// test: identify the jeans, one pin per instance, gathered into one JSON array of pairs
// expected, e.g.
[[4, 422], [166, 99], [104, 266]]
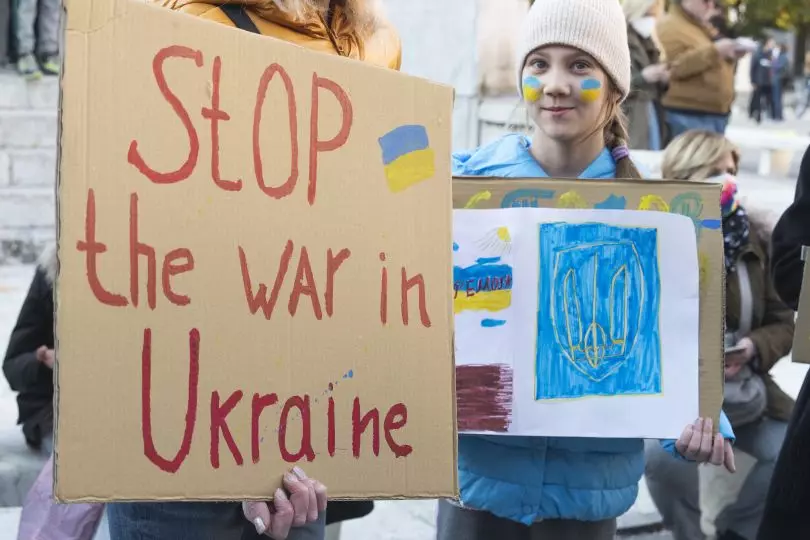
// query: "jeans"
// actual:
[[673, 484], [49, 12], [192, 521], [680, 122]]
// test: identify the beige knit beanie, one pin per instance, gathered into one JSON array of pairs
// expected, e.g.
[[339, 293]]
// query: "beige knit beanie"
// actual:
[[597, 27]]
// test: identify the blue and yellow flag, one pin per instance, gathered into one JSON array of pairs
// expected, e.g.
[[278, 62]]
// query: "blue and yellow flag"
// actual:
[[407, 157]]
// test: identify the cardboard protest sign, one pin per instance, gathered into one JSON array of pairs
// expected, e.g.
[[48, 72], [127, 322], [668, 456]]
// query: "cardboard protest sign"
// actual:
[[600, 365], [801, 336], [254, 266]]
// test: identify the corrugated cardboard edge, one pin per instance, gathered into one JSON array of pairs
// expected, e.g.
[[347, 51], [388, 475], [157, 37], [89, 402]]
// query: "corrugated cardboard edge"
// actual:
[[645, 182], [56, 281]]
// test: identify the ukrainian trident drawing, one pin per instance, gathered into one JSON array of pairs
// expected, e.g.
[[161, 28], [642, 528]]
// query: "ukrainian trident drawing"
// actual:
[[598, 311]]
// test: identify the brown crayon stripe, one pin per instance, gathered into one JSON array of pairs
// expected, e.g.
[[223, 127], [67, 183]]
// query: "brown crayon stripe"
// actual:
[[484, 397]]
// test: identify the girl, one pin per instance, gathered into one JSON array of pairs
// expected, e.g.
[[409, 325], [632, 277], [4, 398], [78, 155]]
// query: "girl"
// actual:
[[762, 329], [573, 74]]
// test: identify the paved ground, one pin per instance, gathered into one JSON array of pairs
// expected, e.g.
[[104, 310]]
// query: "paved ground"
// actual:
[[414, 520]]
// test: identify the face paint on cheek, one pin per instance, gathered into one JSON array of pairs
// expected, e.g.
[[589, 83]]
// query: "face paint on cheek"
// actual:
[[532, 88], [591, 90]]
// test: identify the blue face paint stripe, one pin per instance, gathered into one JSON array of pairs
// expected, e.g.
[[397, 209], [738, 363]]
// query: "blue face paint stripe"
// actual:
[[591, 84]]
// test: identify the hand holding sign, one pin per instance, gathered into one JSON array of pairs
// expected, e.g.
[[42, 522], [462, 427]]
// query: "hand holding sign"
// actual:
[[305, 502], [699, 443], [45, 356]]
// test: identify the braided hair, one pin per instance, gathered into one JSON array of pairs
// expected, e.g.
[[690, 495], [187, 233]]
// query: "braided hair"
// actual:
[[616, 138]]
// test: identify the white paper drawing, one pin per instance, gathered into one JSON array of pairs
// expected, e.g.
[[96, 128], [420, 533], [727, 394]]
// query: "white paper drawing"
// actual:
[[576, 322]]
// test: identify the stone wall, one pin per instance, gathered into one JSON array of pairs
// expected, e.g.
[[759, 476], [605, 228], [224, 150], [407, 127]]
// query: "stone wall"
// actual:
[[28, 113]]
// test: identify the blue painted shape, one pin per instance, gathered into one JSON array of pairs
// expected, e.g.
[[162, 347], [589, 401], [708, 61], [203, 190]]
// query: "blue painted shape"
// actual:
[[713, 224], [488, 260], [349, 374], [613, 202], [403, 140], [532, 82], [598, 331], [591, 84], [455, 246], [526, 198], [492, 323]]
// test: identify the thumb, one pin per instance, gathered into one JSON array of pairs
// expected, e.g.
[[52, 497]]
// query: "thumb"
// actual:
[[731, 466], [257, 513]]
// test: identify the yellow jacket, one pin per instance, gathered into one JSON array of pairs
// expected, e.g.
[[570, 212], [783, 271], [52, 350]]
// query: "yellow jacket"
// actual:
[[382, 47], [700, 79]]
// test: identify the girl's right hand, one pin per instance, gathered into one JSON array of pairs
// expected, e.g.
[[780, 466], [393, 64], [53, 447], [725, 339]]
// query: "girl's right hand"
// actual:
[[300, 502]]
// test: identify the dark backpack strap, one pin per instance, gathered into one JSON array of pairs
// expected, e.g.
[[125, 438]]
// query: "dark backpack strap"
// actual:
[[239, 17]]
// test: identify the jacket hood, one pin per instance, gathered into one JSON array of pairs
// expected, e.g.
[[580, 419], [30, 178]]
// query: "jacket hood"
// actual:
[[353, 21]]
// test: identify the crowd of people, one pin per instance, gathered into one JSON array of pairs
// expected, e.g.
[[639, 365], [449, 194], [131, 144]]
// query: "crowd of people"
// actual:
[[664, 81], [684, 65]]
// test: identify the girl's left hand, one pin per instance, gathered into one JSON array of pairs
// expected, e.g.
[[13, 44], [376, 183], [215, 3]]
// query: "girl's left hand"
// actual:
[[299, 503], [699, 443]]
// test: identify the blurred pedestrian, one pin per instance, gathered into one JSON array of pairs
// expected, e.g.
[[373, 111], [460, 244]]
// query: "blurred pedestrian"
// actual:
[[762, 81], [759, 333], [645, 116], [29, 360], [37, 28], [780, 73], [701, 85]]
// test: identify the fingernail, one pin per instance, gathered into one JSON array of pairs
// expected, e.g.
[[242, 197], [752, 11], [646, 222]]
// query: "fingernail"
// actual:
[[289, 477], [259, 524], [281, 495], [299, 472], [708, 424]]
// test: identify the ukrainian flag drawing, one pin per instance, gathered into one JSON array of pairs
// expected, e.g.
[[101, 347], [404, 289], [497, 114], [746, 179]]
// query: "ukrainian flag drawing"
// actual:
[[407, 157], [484, 286]]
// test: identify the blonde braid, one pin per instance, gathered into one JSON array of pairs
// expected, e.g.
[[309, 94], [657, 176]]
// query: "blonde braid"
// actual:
[[616, 136]]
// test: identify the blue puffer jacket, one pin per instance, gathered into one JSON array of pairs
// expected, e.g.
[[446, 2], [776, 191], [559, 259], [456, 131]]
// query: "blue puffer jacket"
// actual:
[[530, 478]]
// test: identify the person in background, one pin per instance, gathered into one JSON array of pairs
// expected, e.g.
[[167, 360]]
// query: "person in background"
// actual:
[[37, 28], [762, 81], [786, 514], [350, 28], [29, 360], [701, 85], [354, 29], [760, 328], [780, 75], [573, 73], [645, 116]]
